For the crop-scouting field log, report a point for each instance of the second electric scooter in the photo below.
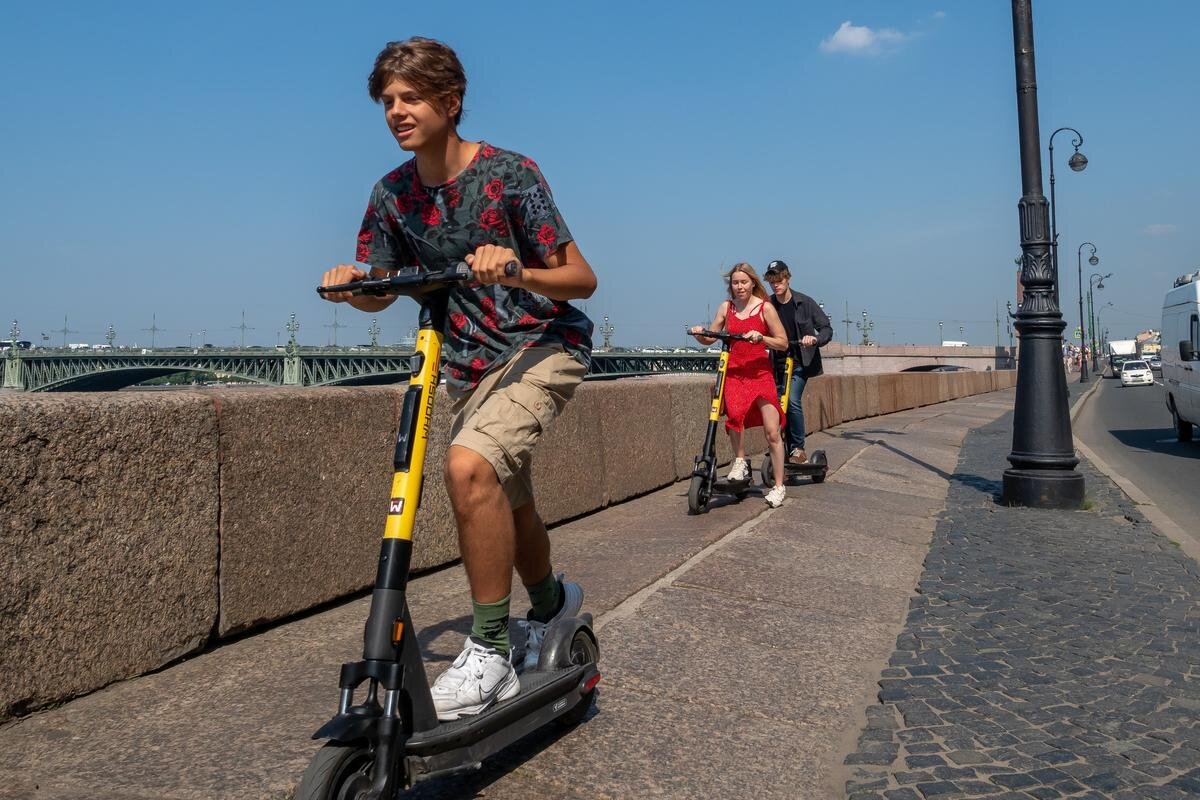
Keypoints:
(387, 736)
(817, 465)
(705, 484)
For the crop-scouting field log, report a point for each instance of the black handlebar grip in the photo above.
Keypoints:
(512, 269)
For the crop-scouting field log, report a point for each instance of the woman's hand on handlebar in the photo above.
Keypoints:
(808, 341)
(489, 263)
(342, 273)
(754, 337)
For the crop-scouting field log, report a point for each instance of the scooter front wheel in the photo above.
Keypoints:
(338, 771)
(697, 495)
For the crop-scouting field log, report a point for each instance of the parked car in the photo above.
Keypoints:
(1136, 373)
(1181, 353)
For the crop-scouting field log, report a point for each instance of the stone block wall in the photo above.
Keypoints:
(138, 527)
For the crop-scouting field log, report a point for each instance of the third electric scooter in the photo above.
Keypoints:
(817, 465)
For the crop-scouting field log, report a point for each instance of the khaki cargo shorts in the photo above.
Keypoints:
(504, 416)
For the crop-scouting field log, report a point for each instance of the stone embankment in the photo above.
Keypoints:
(139, 528)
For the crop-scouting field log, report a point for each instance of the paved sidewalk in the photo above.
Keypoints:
(1048, 654)
(738, 648)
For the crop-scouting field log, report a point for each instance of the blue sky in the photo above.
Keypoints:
(196, 160)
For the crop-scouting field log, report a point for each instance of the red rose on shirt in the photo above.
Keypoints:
(458, 321)
(362, 253)
(430, 215)
(489, 312)
(493, 220)
(404, 203)
(487, 151)
(494, 189)
(453, 197)
(547, 236)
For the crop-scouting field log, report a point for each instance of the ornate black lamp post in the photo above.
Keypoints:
(866, 326)
(1095, 281)
(1043, 457)
(1078, 163)
(1093, 260)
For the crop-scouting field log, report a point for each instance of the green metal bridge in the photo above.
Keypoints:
(108, 370)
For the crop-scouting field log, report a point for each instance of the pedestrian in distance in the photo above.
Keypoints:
(751, 399)
(808, 330)
(515, 351)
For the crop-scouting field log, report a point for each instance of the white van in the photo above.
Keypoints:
(1181, 353)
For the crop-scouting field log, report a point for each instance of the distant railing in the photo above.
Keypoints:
(100, 370)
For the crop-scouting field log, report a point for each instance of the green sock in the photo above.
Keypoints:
(491, 624)
(546, 597)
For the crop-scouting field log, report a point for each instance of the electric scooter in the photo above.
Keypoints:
(376, 750)
(705, 484)
(817, 466)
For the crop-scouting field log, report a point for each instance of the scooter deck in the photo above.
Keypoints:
(466, 741)
(807, 468)
(726, 486)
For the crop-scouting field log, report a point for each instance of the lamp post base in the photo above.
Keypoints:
(1043, 488)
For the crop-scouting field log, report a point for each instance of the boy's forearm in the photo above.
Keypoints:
(571, 281)
(371, 305)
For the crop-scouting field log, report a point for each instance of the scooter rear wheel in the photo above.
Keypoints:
(338, 771)
(583, 651)
(697, 495)
(767, 471)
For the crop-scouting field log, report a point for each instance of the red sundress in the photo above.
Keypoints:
(749, 374)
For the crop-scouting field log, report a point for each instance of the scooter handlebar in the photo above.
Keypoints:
(412, 283)
(721, 335)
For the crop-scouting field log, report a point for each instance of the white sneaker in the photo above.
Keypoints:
(739, 470)
(479, 677)
(775, 497)
(535, 631)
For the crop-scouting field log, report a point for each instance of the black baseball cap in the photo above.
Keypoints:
(778, 268)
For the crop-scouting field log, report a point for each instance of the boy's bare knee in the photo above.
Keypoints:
(466, 472)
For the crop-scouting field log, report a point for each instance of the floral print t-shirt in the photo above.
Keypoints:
(500, 198)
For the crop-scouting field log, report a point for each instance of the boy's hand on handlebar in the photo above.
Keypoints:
(695, 330)
(342, 273)
(488, 262)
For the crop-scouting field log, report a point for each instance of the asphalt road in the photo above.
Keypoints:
(1130, 428)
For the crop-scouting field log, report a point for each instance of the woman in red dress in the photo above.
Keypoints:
(751, 398)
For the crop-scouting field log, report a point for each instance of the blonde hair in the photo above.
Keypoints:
(758, 290)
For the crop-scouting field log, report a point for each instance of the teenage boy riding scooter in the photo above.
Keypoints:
(807, 324)
(515, 348)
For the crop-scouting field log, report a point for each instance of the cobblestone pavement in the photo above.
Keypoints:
(1047, 654)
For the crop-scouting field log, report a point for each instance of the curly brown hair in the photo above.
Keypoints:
(430, 66)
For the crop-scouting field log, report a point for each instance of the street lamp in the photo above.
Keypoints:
(1104, 331)
(1095, 281)
(1012, 360)
(1077, 162)
(866, 326)
(1043, 454)
(941, 336)
(1093, 260)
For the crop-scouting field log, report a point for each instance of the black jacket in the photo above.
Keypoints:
(803, 317)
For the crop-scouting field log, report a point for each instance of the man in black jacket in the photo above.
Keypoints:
(808, 330)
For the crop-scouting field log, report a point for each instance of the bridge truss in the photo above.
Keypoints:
(43, 371)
